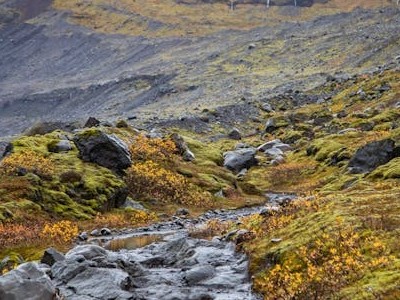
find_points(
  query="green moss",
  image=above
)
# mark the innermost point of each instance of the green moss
(325, 148)
(206, 154)
(389, 170)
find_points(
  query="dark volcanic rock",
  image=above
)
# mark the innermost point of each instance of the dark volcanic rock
(103, 149)
(51, 256)
(27, 281)
(240, 159)
(5, 148)
(372, 155)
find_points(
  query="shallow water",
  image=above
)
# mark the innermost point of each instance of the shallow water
(133, 242)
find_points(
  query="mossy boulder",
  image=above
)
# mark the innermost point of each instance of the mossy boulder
(372, 155)
(106, 150)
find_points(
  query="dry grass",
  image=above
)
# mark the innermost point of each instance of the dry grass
(135, 17)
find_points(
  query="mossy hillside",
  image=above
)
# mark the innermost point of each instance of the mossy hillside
(76, 189)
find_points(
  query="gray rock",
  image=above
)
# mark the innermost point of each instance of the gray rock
(130, 203)
(274, 152)
(83, 236)
(182, 147)
(240, 159)
(95, 232)
(277, 160)
(283, 147)
(267, 107)
(88, 252)
(235, 134)
(51, 256)
(61, 146)
(188, 155)
(269, 145)
(199, 274)
(92, 122)
(242, 173)
(27, 281)
(103, 149)
(241, 146)
(372, 155)
(270, 125)
(5, 149)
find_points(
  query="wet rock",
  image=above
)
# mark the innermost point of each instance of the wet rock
(235, 134)
(103, 149)
(199, 274)
(95, 232)
(51, 256)
(83, 236)
(105, 231)
(182, 212)
(5, 149)
(27, 281)
(240, 159)
(372, 155)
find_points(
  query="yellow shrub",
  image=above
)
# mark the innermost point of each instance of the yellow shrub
(156, 149)
(28, 160)
(150, 180)
(322, 267)
(63, 231)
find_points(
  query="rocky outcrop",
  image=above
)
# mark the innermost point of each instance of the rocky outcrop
(106, 150)
(240, 159)
(372, 155)
(5, 148)
(182, 147)
(28, 281)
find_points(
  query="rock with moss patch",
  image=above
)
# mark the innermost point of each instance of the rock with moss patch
(235, 134)
(103, 149)
(372, 155)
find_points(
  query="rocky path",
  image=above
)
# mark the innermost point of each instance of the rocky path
(172, 266)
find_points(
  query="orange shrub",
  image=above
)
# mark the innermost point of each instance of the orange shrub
(28, 160)
(150, 180)
(134, 217)
(63, 231)
(322, 267)
(16, 234)
(156, 149)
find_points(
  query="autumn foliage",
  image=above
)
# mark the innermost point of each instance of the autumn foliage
(152, 175)
(28, 161)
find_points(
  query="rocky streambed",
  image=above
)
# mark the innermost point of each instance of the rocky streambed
(160, 261)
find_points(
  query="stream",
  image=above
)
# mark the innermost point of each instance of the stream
(160, 262)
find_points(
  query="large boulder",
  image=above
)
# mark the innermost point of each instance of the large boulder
(372, 155)
(240, 159)
(27, 281)
(5, 148)
(106, 150)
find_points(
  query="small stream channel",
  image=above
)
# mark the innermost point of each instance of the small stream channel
(161, 261)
